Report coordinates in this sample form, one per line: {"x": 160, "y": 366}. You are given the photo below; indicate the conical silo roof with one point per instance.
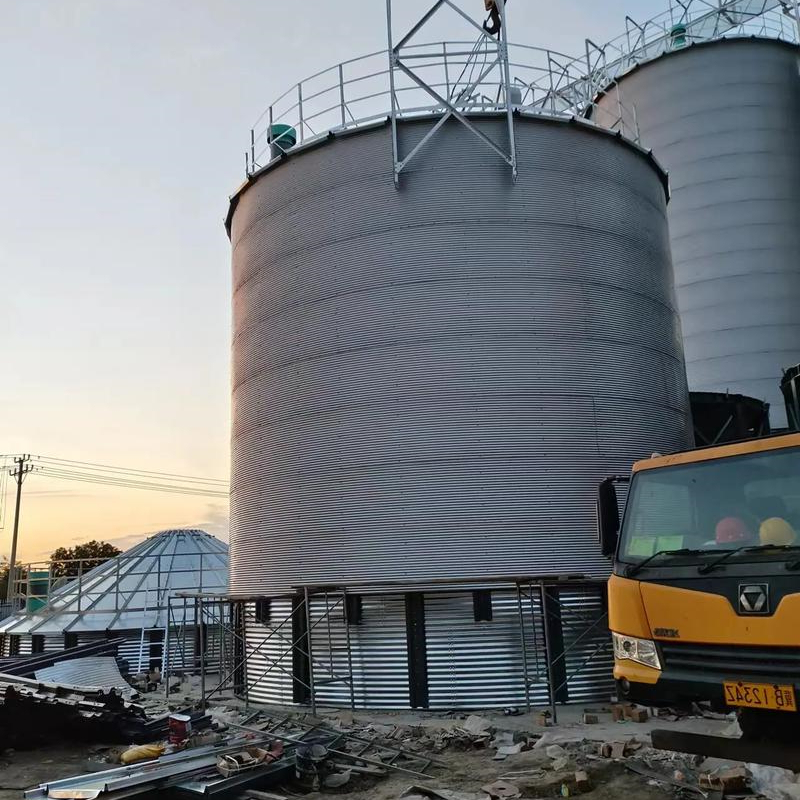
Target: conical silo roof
{"x": 131, "y": 590}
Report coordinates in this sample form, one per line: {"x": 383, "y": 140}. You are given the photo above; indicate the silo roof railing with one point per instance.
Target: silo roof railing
{"x": 356, "y": 93}
{"x": 689, "y": 22}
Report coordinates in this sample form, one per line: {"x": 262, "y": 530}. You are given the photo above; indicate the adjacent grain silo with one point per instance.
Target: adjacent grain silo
{"x": 429, "y": 381}
{"x": 723, "y": 116}
{"x": 125, "y": 597}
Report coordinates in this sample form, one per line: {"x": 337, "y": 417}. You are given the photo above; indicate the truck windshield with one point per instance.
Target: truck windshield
{"x": 715, "y": 506}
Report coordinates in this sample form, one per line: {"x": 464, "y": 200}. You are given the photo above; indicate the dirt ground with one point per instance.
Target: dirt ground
{"x": 21, "y": 770}
{"x": 468, "y": 770}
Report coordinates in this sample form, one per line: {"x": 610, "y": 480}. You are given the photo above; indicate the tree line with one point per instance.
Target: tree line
{"x": 66, "y": 562}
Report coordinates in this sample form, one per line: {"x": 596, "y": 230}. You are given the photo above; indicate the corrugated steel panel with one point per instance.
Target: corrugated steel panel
{"x": 589, "y": 656}
{"x": 480, "y": 664}
{"x": 451, "y": 368}
{"x": 268, "y": 671}
{"x": 133, "y": 652}
{"x": 724, "y": 119}
{"x": 183, "y": 649}
{"x": 378, "y": 647}
{"x": 379, "y": 654}
{"x": 470, "y": 664}
{"x": 95, "y": 671}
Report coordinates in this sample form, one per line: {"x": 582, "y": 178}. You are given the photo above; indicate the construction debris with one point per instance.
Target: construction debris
{"x": 635, "y": 713}
{"x": 728, "y": 781}
{"x": 476, "y": 726}
{"x": 250, "y": 753}
{"x": 337, "y": 779}
{"x": 427, "y": 792}
{"x": 142, "y": 752}
{"x": 665, "y": 779}
{"x": 582, "y": 782}
{"x": 556, "y": 751}
{"x": 34, "y": 712}
{"x": 230, "y": 764}
{"x": 544, "y": 719}
{"x": 192, "y": 771}
{"x": 323, "y": 744}
{"x": 617, "y": 750}
{"x": 101, "y": 672}
{"x": 26, "y": 666}
{"x": 502, "y": 789}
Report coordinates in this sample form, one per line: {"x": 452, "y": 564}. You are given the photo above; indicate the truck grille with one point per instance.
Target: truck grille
{"x": 736, "y": 661}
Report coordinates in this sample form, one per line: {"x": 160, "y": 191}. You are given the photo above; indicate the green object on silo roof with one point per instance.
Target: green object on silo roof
{"x": 281, "y": 138}
{"x": 678, "y": 34}
{"x": 38, "y": 584}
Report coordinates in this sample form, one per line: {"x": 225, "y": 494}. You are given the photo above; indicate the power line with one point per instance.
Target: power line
{"x": 127, "y": 483}
{"x": 88, "y": 465}
{"x": 66, "y": 469}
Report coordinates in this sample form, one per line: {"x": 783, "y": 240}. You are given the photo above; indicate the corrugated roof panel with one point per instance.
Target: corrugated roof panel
{"x": 96, "y": 671}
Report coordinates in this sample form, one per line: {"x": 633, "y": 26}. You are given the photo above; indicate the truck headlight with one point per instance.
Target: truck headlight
{"x": 642, "y": 651}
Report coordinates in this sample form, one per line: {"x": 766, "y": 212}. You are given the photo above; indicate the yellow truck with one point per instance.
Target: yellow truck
{"x": 704, "y": 600}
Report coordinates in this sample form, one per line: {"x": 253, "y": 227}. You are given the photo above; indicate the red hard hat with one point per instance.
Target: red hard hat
{"x": 732, "y": 529}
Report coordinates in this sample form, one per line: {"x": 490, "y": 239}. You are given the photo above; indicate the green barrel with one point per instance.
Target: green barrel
{"x": 281, "y": 138}
{"x": 38, "y": 583}
{"x": 678, "y": 35}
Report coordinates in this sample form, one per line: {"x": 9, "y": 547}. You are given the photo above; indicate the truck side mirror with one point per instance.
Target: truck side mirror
{"x": 608, "y": 517}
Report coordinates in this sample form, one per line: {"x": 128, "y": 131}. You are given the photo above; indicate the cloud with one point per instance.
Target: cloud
{"x": 216, "y": 522}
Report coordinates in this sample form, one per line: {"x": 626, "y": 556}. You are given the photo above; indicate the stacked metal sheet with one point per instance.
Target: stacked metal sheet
{"x": 26, "y": 666}
{"x": 34, "y": 712}
{"x": 194, "y": 771}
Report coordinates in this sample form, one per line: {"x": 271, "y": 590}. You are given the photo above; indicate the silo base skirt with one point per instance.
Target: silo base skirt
{"x": 444, "y": 646}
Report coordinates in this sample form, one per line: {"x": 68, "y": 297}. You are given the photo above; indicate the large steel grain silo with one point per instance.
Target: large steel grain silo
{"x": 427, "y": 375}
{"x": 723, "y": 116}
{"x": 429, "y": 381}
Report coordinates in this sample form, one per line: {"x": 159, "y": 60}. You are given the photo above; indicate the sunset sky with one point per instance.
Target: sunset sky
{"x": 122, "y": 133}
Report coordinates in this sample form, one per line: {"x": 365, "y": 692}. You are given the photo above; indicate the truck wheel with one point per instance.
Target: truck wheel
{"x": 773, "y": 726}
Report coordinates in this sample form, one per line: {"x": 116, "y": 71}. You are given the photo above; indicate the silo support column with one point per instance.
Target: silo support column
{"x": 554, "y": 636}
{"x": 309, "y": 629}
{"x": 301, "y": 664}
{"x": 417, "y": 650}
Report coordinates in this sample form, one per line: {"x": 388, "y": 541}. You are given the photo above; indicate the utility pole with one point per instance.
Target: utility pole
{"x": 797, "y": 16}
{"x": 19, "y": 472}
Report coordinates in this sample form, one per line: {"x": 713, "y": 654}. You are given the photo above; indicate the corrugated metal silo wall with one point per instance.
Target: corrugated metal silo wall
{"x": 429, "y": 383}
{"x": 724, "y": 119}
{"x": 469, "y": 664}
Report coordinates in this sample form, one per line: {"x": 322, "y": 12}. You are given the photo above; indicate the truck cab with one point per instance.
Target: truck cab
{"x": 704, "y": 599}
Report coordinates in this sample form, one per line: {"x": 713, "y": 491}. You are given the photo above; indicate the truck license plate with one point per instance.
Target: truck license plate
{"x": 760, "y": 695}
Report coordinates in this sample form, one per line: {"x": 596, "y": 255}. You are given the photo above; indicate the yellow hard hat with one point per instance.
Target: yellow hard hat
{"x": 777, "y": 531}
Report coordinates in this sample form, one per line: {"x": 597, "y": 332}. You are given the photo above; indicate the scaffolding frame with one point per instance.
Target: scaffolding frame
{"x": 540, "y": 616}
